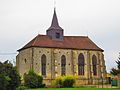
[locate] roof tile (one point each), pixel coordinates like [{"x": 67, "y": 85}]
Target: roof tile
[{"x": 69, "y": 42}]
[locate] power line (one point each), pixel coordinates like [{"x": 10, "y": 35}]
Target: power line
[{"x": 8, "y": 53}]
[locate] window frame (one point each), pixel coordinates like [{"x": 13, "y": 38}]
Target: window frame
[
  {"x": 63, "y": 65},
  {"x": 81, "y": 64},
  {"x": 94, "y": 65},
  {"x": 43, "y": 65},
  {"x": 57, "y": 35}
]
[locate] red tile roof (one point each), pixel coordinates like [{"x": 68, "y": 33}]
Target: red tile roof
[{"x": 69, "y": 42}]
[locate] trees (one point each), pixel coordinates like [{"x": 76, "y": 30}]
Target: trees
[
  {"x": 3, "y": 82},
  {"x": 9, "y": 77},
  {"x": 116, "y": 71}
]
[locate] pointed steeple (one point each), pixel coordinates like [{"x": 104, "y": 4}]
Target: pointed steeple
[
  {"x": 55, "y": 24},
  {"x": 54, "y": 20},
  {"x": 55, "y": 31}
]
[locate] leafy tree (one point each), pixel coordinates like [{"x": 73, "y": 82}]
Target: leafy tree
[
  {"x": 32, "y": 80},
  {"x": 116, "y": 71},
  {"x": 9, "y": 77},
  {"x": 3, "y": 82},
  {"x": 118, "y": 63}
]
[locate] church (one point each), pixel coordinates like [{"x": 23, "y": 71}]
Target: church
[{"x": 55, "y": 54}]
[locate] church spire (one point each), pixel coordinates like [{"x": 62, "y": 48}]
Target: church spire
[
  {"x": 55, "y": 31},
  {"x": 55, "y": 24},
  {"x": 54, "y": 20}
]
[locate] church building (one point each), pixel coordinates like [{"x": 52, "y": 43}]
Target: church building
[{"x": 55, "y": 54}]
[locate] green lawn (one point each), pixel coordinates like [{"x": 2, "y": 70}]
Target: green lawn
[{"x": 75, "y": 89}]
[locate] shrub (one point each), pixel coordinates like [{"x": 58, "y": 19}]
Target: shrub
[
  {"x": 65, "y": 81},
  {"x": 58, "y": 82},
  {"x": 68, "y": 81},
  {"x": 32, "y": 80},
  {"x": 40, "y": 81},
  {"x": 21, "y": 88}
]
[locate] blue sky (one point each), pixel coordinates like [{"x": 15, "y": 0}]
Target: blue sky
[{"x": 22, "y": 20}]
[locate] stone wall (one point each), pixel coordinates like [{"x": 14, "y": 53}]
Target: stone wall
[
  {"x": 31, "y": 59},
  {"x": 38, "y": 52},
  {"x": 24, "y": 61}
]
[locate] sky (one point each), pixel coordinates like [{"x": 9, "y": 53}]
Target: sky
[{"x": 22, "y": 20}]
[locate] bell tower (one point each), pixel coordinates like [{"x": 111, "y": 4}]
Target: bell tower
[{"x": 55, "y": 32}]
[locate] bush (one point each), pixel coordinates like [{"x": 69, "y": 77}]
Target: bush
[
  {"x": 65, "y": 81},
  {"x": 68, "y": 81},
  {"x": 58, "y": 82},
  {"x": 40, "y": 81},
  {"x": 21, "y": 88},
  {"x": 32, "y": 80}
]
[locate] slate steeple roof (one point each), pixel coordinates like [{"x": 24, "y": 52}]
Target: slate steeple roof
[{"x": 55, "y": 23}]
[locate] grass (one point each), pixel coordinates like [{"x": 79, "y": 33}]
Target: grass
[{"x": 75, "y": 89}]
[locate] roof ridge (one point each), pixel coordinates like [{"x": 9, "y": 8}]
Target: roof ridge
[
  {"x": 42, "y": 35},
  {"x": 35, "y": 40},
  {"x": 77, "y": 36}
]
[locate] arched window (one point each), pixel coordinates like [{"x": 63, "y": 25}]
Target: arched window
[
  {"x": 94, "y": 63},
  {"x": 43, "y": 65},
  {"x": 63, "y": 65},
  {"x": 81, "y": 63}
]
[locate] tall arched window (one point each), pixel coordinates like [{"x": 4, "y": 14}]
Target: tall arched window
[
  {"x": 43, "y": 65},
  {"x": 81, "y": 63},
  {"x": 63, "y": 65},
  {"x": 94, "y": 63}
]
